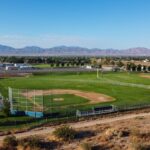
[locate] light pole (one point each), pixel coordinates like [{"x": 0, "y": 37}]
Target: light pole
[{"x": 97, "y": 73}]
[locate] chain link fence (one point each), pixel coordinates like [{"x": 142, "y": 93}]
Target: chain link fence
[
  {"x": 1, "y": 101},
  {"x": 33, "y": 102},
  {"x": 39, "y": 103}
]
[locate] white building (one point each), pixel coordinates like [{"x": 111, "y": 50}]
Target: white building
[
  {"x": 23, "y": 66},
  {"x": 146, "y": 60},
  {"x": 88, "y": 67},
  {"x": 11, "y": 68}
]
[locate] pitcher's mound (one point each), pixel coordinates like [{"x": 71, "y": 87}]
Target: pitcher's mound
[{"x": 58, "y": 99}]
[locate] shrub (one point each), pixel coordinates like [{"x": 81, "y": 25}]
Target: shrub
[
  {"x": 65, "y": 133},
  {"x": 138, "y": 140},
  {"x": 30, "y": 142},
  {"x": 10, "y": 142}
]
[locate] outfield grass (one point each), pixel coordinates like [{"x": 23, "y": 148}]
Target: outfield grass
[{"x": 125, "y": 88}]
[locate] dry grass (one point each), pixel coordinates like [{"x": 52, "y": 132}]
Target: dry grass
[{"x": 131, "y": 134}]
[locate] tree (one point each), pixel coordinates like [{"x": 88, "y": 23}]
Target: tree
[
  {"x": 144, "y": 68},
  {"x": 139, "y": 67},
  {"x": 52, "y": 65},
  {"x": 57, "y": 64},
  {"x": 93, "y": 62},
  {"x": 82, "y": 64},
  {"x": 73, "y": 63},
  {"x": 62, "y": 64},
  {"x": 128, "y": 67},
  {"x": 106, "y": 61},
  {"x": 112, "y": 63},
  {"x": 67, "y": 64},
  {"x": 120, "y": 64},
  {"x": 133, "y": 67}
]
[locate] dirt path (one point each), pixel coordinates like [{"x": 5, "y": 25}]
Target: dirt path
[
  {"x": 81, "y": 124},
  {"x": 92, "y": 96}
]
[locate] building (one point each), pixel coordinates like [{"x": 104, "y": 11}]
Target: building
[
  {"x": 7, "y": 68},
  {"x": 25, "y": 67},
  {"x": 88, "y": 67}
]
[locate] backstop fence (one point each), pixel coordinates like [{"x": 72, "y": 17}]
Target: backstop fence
[
  {"x": 39, "y": 103},
  {"x": 1, "y": 101},
  {"x": 23, "y": 102}
]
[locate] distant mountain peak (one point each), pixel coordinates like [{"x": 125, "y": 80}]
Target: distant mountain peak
[{"x": 71, "y": 51}]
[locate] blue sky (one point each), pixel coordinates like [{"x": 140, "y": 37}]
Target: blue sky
[{"x": 116, "y": 24}]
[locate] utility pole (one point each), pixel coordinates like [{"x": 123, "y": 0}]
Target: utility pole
[{"x": 97, "y": 73}]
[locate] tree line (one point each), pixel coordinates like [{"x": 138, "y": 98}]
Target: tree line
[
  {"x": 54, "y": 59},
  {"x": 139, "y": 67},
  {"x": 64, "y": 61},
  {"x": 47, "y": 60}
]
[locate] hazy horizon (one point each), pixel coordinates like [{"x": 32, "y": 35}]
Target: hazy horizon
[{"x": 72, "y": 46}]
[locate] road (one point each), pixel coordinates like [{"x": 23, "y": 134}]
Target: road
[{"x": 81, "y": 124}]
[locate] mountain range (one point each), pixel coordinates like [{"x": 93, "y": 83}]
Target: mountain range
[{"x": 71, "y": 51}]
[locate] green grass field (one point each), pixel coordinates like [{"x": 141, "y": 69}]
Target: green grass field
[
  {"x": 63, "y": 100},
  {"x": 49, "y": 65},
  {"x": 63, "y": 103},
  {"x": 127, "y": 89},
  {"x": 42, "y": 65}
]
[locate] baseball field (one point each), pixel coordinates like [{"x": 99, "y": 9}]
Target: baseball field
[{"x": 81, "y": 90}]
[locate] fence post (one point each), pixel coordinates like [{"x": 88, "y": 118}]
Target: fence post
[
  {"x": 1, "y": 100},
  {"x": 26, "y": 100},
  {"x": 42, "y": 102},
  {"x": 10, "y": 99},
  {"x": 34, "y": 104}
]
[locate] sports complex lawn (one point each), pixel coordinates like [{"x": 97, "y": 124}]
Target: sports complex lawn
[
  {"x": 126, "y": 88},
  {"x": 42, "y": 65},
  {"x": 63, "y": 100}
]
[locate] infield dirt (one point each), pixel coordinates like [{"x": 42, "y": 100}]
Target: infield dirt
[{"x": 91, "y": 96}]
